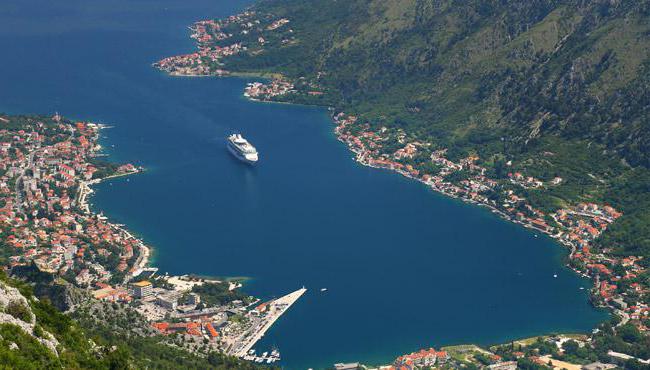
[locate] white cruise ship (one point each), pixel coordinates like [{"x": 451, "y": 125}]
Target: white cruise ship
[{"x": 242, "y": 149}]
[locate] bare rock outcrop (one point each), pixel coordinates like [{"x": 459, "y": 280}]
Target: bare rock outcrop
[{"x": 15, "y": 310}]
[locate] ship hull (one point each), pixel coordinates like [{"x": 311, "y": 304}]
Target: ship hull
[{"x": 237, "y": 154}]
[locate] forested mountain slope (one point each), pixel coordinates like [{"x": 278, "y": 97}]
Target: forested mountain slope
[
  {"x": 560, "y": 88},
  {"x": 490, "y": 65}
]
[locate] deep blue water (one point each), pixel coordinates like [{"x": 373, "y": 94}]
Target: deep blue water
[{"x": 405, "y": 267}]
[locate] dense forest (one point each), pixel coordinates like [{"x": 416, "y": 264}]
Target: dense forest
[{"x": 559, "y": 88}]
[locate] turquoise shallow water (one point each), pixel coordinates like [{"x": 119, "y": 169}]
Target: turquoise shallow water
[{"x": 405, "y": 267}]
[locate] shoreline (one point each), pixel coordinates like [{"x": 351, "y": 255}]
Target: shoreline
[
  {"x": 85, "y": 190},
  {"x": 145, "y": 257},
  {"x": 534, "y": 221},
  {"x": 145, "y": 251},
  {"x": 360, "y": 158},
  {"x": 283, "y": 304},
  {"x": 225, "y": 74}
]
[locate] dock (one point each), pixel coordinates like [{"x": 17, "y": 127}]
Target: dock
[
  {"x": 263, "y": 358},
  {"x": 277, "y": 308}
]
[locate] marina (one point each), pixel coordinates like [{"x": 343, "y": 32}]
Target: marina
[{"x": 265, "y": 357}]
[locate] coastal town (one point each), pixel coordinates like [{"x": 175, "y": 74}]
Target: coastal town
[
  {"x": 49, "y": 165},
  {"x": 266, "y": 92},
  {"x": 206, "y": 312},
  {"x": 213, "y": 43},
  {"x": 553, "y": 352},
  {"x": 203, "y": 314}
]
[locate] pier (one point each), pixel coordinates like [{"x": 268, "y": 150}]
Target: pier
[{"x": 243, "y": 343}]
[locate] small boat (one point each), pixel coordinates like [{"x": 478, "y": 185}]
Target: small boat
[
  {"x": 554, "y": 275},
  {"x": 323, "y": 289}
]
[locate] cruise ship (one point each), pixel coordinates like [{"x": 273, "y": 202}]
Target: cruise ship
[{"x": 242, "y": 149}]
